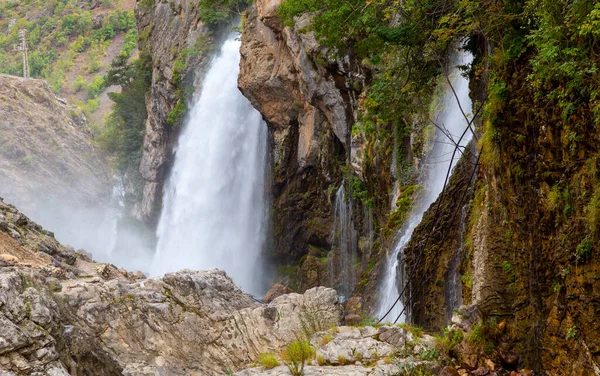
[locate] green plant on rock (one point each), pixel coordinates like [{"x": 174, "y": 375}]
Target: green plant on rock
[
  {"x": 79, "y": 84},
  {"x": 213, "y": 12},
  {"x": 268, "y": 360},
  {"x": 583, "y": 250},
  {"x": 430, "y": 354},
  {"x": 447, "y": 340},
  {"x": 467, "y": 280},
  {"x": 403, "y": 205},
  {"x": 408, "y": 367},
  {"x": 295, "y": 356},
  {"x": 475, "y": 335},
  {"x": 320, "y": 360}
]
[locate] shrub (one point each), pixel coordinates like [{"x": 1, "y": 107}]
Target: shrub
[
  {"x": 95, "y": 87},
  {"x": 326, "y": 339},
  {"x": 268, "y": 360},
  {"x": 79, "y": 84},
  {"x": 295, "y": 356},
  {"x": 320, "y": 360}
]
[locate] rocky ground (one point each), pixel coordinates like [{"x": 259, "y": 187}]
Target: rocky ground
[{"x": 62, "y": 313}]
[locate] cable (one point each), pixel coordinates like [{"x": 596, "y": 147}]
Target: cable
[
  {"x": 440, "y": 199},
  {"x": 452, "y": 218}
]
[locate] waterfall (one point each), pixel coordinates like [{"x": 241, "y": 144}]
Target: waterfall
[
  {"x": 214, "y": 201},
  {"x": 449, "y": 116},
  {"x": 344, "y": 246},
  {"x": 453, "y": 285}
]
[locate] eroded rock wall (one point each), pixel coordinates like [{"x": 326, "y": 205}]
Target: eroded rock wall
[
  {"x": 166, "y": 29},
  {"x": 64, "y": 314},
  {"x": 528, "y": 262},
  {"x": 309, "y": 116}
]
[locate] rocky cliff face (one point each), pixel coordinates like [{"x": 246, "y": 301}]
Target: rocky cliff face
[
  {"x": 309, "y": 100},
  {"x": 48, "y": 163},
  {"x": 309, "y": 116},
  {"x": 46, "y": 147},
  {"x": 172, "y": 33},
  {"x": 527, "y": 254},
  {"x": 63, "y": 314}
]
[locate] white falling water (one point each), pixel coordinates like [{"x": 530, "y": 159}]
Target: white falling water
[
  {"x": 450, "y": 117},
  {"x": 342, "y": 275},
  {"x": 214, "y": 202}
]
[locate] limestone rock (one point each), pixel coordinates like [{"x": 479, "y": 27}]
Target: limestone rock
[
  {"x": 171, "y": 26},
  {"x": 46, "y": 153},
  {"x": 275, "y": 291},
  {"x": 307, "y": 98},
  {"x": 94, "y": 319},
  {"x": 352, "y": 345},
  {"x": 350, "y": 370}
]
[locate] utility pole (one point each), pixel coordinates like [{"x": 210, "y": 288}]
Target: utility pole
[{"x": 23, "y": 48}]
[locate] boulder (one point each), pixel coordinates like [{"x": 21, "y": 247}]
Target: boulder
[{"x": 275, "y": 291}]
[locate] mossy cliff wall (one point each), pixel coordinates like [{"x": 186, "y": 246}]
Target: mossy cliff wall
[{"x": 530, "y": 256}]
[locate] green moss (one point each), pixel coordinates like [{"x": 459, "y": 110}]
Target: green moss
[
  {"x": 467, "y": 280},
  {"x": 583, "y": 250},
  {"x": 403, "y": 205},
  {"x": 592, "y": 214}
]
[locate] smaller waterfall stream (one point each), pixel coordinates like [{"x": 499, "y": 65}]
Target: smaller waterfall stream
[
  {"x": 214, "y": 202},
  {"x": 344, "y": 246},
  {"x": 453, "y": 285},
  {"x": 451, "y": 117}
]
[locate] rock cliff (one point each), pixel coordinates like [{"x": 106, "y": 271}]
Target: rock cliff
[
  {"x": 48, "y": 162},
  {"x": 46, "y": 147},
  {"x": 63, "y": 314},
  {"x": 173, "y": 34},
  {"x": 525, "y": 252},
  {"x": 310, "y": 99},
  {"x": 309, "y": 119}
]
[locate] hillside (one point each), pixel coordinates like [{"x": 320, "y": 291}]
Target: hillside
[
  {"x": 48, "y": 162},
  {"x": 71, "y": 45}
]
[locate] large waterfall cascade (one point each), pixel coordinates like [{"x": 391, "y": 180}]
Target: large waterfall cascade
[
  {"x": 214, "y": 212},
  {"x": 451, "y": 117}
]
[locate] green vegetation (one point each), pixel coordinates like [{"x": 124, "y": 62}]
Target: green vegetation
[
  {"x": 59, "y": 33},
  {"x": 123, "y": 134},
  {"x": 447, "y": 340},
  {"x": 407, "y": 367},
  {"x": 214, "y": 12},
  {"x": 326, "y": 339},
  {"x": 268, "y": 360},
  {"x": 467, "y": 280},
  {"x": 414, "y": 330},
  {"x": 403, "y": 205},
  {"x": 430, "y": 354},
  {"x": 583, "y": 250},
  {"x": 295, "y": 356}
]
